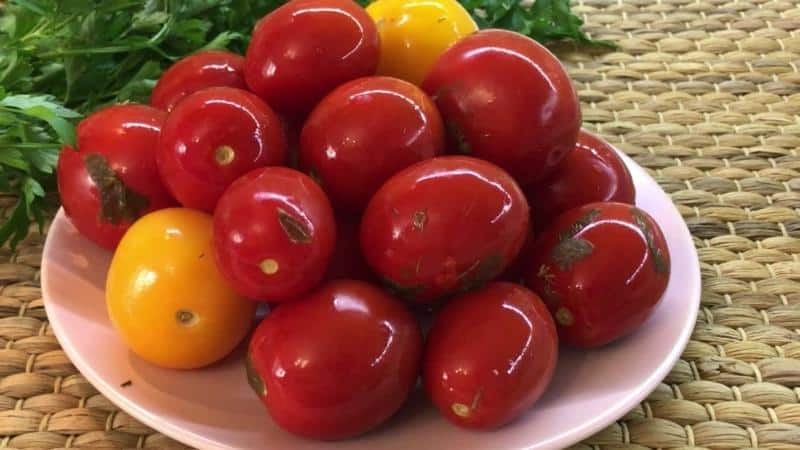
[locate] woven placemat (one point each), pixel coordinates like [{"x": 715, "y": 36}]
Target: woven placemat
[{"x": 705, "y": 94}]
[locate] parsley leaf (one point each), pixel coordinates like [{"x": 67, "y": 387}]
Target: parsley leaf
[{"x": 542, "y": 20}]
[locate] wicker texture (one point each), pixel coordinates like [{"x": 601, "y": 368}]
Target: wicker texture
[{"x": 705, "y": 94}]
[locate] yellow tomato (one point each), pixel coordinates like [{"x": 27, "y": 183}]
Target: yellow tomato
[
  {"x": 166, "y": 296},
  {"x": 415, "y": 32}
]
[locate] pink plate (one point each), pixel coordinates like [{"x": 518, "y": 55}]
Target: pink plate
[{"x": 215, "y": 408}]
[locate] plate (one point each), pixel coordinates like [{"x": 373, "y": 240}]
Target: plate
[{"x": 214, "y": 408}]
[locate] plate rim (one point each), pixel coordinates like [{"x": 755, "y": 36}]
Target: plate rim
[{"x": 569, "y": 437}]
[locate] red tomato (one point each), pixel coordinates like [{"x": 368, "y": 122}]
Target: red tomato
[
  {"x": 274, "y": 233},
  {"x": 593, "y": 172},
  {"x": 601, "y": 269},
  {"x": 507, "y": 99},
  {"x": 111, "y": 179},
  {"x": 490, "y": 355},
  {"x": 304, "y": 49},
  {"x": 336, "y": 363},
  {"x": 201, "y": 70},
  {"x": 366, "y": 131},
  {"x": 443, "y": 226},
  {"x": 347, "y": 261},
  {"x": 211, "y": 138}
]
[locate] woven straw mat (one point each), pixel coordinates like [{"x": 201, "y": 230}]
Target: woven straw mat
[{"x": 705, "y": 94}]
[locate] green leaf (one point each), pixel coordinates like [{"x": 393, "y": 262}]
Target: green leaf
[
  {"x": 48, "y": 102},
  {"x": 31, "y": 189},
  {"x": 146, "y": 20},
  {"x": 43, "y": 159},
  {"x": 544, "y": 20},
  {"x": 15, "y": 227},
  {"x": 224, "y": 39},
  {"x": 13, "y": 158},
  {"x": 191, "y": 33},
  {"x": 44, "y": 108},
  {"x": 33, "y": 6},
  {"x": 64, "y": 129},
  {"x": 141, "y": 84}
]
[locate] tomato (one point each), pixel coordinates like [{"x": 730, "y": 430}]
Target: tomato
[
  {"x": 490, "y": 355},
  {"x": 274, "y": 234},
  {"x": 198, "y": 71},
  {"x": 213, "y": 137},
  {"x": 364, "y": 132},
  {"x": 593, "y": 172},
  {"x": 304, "y": 49},
  {"x": 601, "y": 268},
  {"x": 166, "y": 296},
  {"x": 347, "y": 261},
  {"x": 414, "y": 34},
  {"x": 507, "y": 99},
  {"x": 336, "y": 363},
  {"x": 111, "y": 179},
  {"x": 442, "y": 226}
]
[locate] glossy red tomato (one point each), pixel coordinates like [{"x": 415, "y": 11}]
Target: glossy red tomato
[
  {"x": 274, "y": 234},
  {"x": 347, "y": 261},
  {"x": 211, "y": 138},
  {"x": 366, "y": 131},
  {"x": 507, "y": 99},
  {"x": 490, "y": 355},
  {"x": 601, "y": 269},
  {"x": 211, "y": 68},
  {"x": 337, "y": 362},
  {"x": 304, "y": 49},
  {"x": 111, "y": 179},
  {"x": 593, "y": 172},
  {"x": 443, "y": 226}
]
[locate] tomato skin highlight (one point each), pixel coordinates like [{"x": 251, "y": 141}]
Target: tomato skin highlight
[
  {"x": 213, "y": 137},
  {"x": 306, "y": 48},
  {"x": 442, "y": 226},
  {"x": 345, "y": 374},
  {"x": 601, "y": 268},
  {"x": 593, "y": 172},
  {"x": 166, "y": 297},
  {"x": 366, "y": 131},
  {"x": 507, "y": 99},
  {"x": 122, "y": 138},
  {"x": 274, "y": 234},
  {"x": 490, "y": 355},
  {"x": 414, "y": 34},
  {"x": 210, "y": 68}
]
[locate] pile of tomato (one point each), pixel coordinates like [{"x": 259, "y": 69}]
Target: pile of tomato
[{"x": 364, "y": 171}]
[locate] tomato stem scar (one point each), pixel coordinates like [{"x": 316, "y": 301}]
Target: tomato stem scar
[
  {"x": 460, "y": 409},
  {"x": 185, "y": 318},
  {"x": 419, "y": 219},
  {"x": 564, "y": 317},
  {"x": 269, "y": 266},
  {"x": 224, "y": 155}
]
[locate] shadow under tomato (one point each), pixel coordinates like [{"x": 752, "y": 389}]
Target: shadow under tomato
[{"x": 216, "y": 400}]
